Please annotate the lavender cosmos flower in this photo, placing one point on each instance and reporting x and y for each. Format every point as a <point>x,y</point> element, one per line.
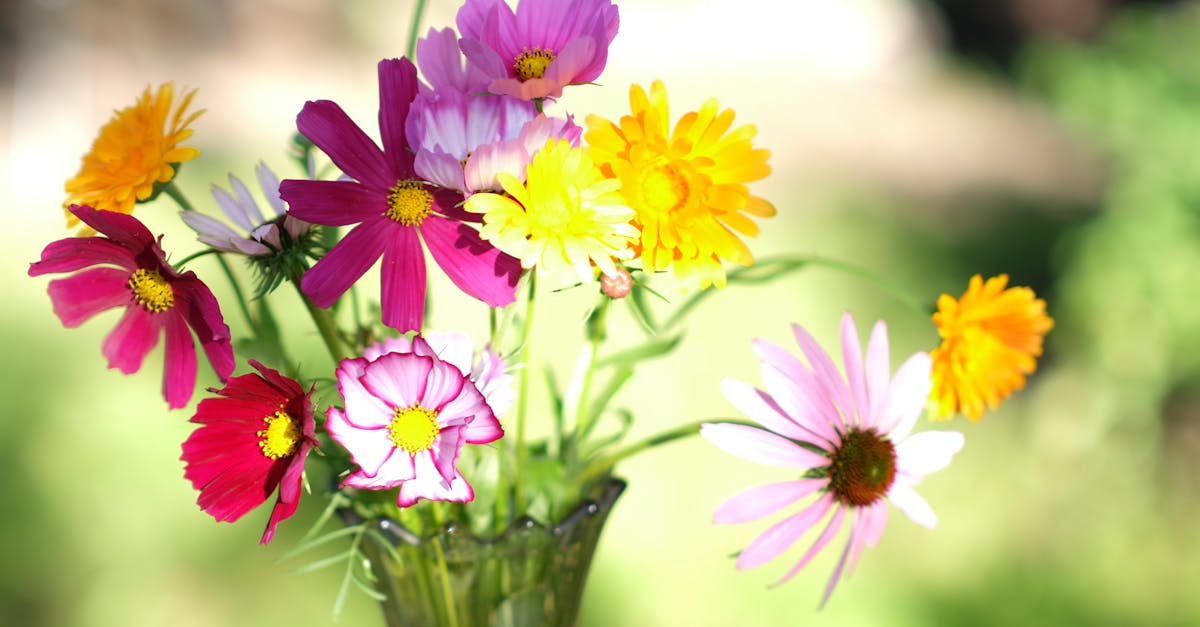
<point>264,235</point>
<point>395,212</point>
<point>406,418</point>
<point>131,271</point>
<point>541,47</point>
<point>253,440</point>
<point>858,452</point>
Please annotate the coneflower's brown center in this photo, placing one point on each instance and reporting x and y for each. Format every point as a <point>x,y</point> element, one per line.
<point>413,428</point>
<point>151,290</point>
<point>862,468</point>
<point>409,203</point>
<point>280,437</point>
<point>532,63</point>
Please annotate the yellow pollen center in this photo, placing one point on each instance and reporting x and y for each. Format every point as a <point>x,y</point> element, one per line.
<point>409,203</point>
<point>664,188</point>
<point>414,428</point>
<point>151,290</point>
<point>863,468</point>
<point>280,437</point>
<point>532,63</point>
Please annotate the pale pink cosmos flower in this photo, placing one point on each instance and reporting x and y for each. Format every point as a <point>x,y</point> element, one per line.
<point>405,420</point>
<point>264,235</point>
<point>850,438</point>
<point>126,268</point>
<point>543,46</point>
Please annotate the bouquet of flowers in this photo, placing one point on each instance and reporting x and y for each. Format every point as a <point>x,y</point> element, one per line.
<point>416,438</point>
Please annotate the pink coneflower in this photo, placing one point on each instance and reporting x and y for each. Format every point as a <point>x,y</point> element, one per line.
<point>395,212</point>
<point>132,272</point>
<point>405,420</point>
<point>254,438</point>
<point>852,443</point>
<point>543,46</point>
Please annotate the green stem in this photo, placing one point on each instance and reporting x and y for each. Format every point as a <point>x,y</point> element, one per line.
<point>605,464</point>
<point>237,291</point>
<point>771,268</point>
<point>326,326</point>
<point>523,392</point>
<point>415,30</point>
<point>207,251</point>
<point>583,417</point>
<point>177,195</point>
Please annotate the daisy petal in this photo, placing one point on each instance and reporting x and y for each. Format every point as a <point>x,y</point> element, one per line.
<point>761,446</point>
<point>764,500</point>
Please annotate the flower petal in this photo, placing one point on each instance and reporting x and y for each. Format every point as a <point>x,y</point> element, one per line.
<point>79,297</point>
<point>403,276</point>
<point>783,534</point>
<point>764,500</point>
<point>428,484</point>
<point>179,363</point>
<point>368,448</point>
<point>332,203</point>
<point>397,88</point>
<point>346,262</point>
<point>328,126</point>
<point>475,266</point>
<point>831,529</point>
<point>760,446</point>
<point>761,408</point>
<point>72,253</point>
<point>879,374</point>
<point>928,452</point>
<point>913,505</point>
<point>852,358</point>
<point>200,309</point>
<point>133,337</point>
<point>907,396</point>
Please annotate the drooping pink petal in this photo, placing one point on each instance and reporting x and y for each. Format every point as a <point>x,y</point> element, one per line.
<point>831,529</point>
<point>853,545</point>
<point>347,261</point>
<point>907,397</point>
<point>912,504</point>
<point>928,452</point>
<point>783,534</point>
<point>764,500</point>
<point>133,337</point>
<point>403,276</point>
<point>328,126</point>
<point>760,446</point>
<point>761,408</point>
<point>332,203</point>
<point>200,309</point>
<point>475,266</point>
<point>397,88</point>
<point>179,363</point>
<point>73,253</point>
<point>79,297</point>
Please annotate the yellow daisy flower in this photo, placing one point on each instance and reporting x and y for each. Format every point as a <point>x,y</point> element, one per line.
<point>134,151</point>
<point>564,218</point>
<point>991,338</point>
<point>687,184</point>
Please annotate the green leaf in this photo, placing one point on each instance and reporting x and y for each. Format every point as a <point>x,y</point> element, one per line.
<point>630,356</point>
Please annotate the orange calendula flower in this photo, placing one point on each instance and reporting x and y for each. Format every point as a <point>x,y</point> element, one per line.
<point>687,184</point>
<point>991,338</point>
<point>135,150</point>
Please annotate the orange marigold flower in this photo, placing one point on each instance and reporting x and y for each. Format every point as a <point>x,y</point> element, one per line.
<point>686,183</point>
<point>991,338</point>
<point>135,150</point>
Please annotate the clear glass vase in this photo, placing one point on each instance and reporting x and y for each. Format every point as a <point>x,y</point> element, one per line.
<point>528,576</point>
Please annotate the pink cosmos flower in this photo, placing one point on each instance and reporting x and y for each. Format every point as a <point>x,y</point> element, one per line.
<point>395,212</point>
<point>441,64</point>
<point>540,48</point>
<point>852,442</point>
<point>253,439</point>
<point>405,420</point>
<point>127,268</point>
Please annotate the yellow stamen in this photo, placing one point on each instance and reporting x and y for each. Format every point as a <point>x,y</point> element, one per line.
<point>532,63</point>
<point>414,428</point>
<point>663,188</point>
<point>409,203</point>
<point>280,437</point>
<point>151,290</point>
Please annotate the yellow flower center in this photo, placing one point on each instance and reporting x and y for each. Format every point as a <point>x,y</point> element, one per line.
<point>151,290</point>
<point>663,188</point>
<point>409,203</point>
<point>280,437</point>
<point>414,428</point>
<point>862,469</point>
<point>532,63</point>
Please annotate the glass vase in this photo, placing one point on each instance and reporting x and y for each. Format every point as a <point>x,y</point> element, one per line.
<point>528,576</point>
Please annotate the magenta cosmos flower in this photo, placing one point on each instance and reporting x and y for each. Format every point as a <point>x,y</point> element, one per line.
<point>127,268</point>
<point>406,418</point>
<point>541,47</point>
<point>852,442</point>
<point>253,440</point>
<point>394,211</point>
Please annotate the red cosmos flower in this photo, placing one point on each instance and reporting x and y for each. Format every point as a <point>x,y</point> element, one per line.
<point>132,272</point>
<point>254,438</point>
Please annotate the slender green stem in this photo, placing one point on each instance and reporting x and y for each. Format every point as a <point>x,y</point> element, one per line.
<point>583,417</point>
<point>176,194</point>
<point>183,262</point>
<point>605,464</point>
<point>326,325</point>
<point>523,392</point>
<point>237,291</point>
<point>415,29</point>
<point>447,588</point>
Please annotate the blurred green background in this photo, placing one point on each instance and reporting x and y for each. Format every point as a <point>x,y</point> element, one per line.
<point>1056,141</point>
